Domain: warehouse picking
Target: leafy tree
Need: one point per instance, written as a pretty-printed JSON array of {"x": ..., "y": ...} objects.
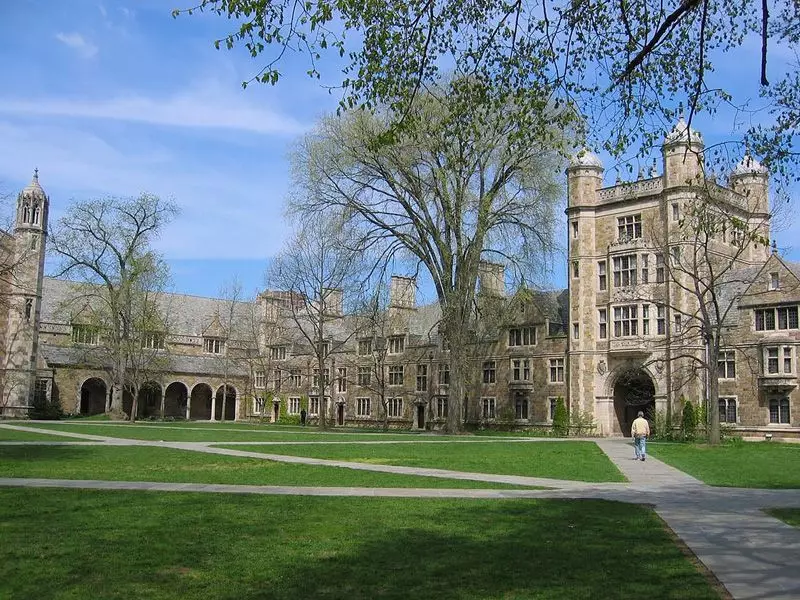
[
  {"x": 456, "y": 186},
  {"x": 621, "y": 67},
  {"x": 106, "y": 245}
]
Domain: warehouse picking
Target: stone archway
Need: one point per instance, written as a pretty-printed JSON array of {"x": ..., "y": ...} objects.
[
  {"x": 175, "y": 397},
  {"x": 93, "y": 396},
  {"x": 230, "y": 404},
  {"x": 634, "y": 390},
  {"x": 200, "y": 407}
]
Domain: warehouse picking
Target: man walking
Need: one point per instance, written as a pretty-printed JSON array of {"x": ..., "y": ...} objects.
[{"x": 640, "y": 430}]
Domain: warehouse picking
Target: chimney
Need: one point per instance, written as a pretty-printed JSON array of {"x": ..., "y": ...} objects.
[
  {"x": 402, "y": 292},
  {"x": 332, "y": 302},
  {"x": 492, "y": 278}
]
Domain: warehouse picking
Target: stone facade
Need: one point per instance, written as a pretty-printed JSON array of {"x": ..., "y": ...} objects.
[{"x": 617, "y": 340}]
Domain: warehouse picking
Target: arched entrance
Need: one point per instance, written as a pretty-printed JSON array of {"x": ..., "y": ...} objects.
[
  {"x": 230, "y": 404},
  {"x": 340, "y": 414},
  {"x": 200, "y": 408},
  {"x": 149, "y": 404},
  {"x": 175, "y": 397},
  {"x": 420, "y": 416},
  {"x": 633, "y": 391},
  {"x": 93, "y": 396}
]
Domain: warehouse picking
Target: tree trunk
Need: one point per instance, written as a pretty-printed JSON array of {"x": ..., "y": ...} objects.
[
  {"x": 712, "y": 410},
  {"x": 134, "y": 404}
]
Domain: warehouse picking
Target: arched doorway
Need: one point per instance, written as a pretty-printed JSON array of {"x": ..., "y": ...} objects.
[
  {"x": 175, "y": 397},
  {"x": 230, "y": 404},
  {"x": 149, "y": 404},
  {"x": 93, "y": 396},
  {"x": 200, "y": 408},
  {"x": 633, "y": 391}
]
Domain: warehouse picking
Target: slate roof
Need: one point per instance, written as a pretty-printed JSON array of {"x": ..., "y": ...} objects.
[
  {"x": 187, "y": 315},
  {"x": 192, "y": 365}
]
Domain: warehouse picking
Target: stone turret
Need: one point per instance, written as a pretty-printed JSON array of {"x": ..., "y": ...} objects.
[
  {"x": 751, "y": 179},
  {"x": 683, "y": 156},
  {"x": 584, "y": 178},
  {"x": 20, "y": 346}
]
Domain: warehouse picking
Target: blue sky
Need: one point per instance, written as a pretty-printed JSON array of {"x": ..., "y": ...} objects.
[{"x": 117, "y": 97}]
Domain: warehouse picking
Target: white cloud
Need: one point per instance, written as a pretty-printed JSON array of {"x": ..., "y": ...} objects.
[
  {"x": 229, "y": 213},
  {"x": 77, "y": 42},
  {"x": 206, "y": 106}
]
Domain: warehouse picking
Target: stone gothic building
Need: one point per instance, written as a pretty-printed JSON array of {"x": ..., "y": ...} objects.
[{"x": 629, "y": 333}]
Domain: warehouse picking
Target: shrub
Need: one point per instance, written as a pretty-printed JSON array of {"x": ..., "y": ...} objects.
[
  {"x": 561, "y": 419},
  {"x": 44, "y": 409},
  {"x": 582, "y": 422}
]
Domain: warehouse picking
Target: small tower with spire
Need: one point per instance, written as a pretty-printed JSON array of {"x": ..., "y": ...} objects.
[
  {"x": 24, "y": 299},
  {"x": 683, "y": 156}
]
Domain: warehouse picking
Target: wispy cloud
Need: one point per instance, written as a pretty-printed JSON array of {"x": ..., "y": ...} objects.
[
  {"x": 208, "y": 106},
  {"x": 78, "y": 43},
  {"x": 215, "y": 199}
]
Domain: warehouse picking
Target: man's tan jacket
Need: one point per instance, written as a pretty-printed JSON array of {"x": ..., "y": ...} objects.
[{"x": 640, "y": 427}]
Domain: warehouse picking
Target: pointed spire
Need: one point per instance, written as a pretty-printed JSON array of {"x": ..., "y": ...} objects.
[{"x": 36, "y": 174}]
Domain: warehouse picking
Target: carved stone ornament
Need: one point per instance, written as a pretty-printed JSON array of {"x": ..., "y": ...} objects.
[
  {"x": 601, "y": 367},
  {"x": 660, "y": 367}
]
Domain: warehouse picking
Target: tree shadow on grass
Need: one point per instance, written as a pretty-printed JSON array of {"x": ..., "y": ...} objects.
[
  {"x": 567, "y": 549},
  {"x": 43, "y": 453},
  {"x": 104, "y": 544}
]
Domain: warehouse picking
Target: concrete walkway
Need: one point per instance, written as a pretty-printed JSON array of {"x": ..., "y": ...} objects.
[{"x": 753, "y": 555}]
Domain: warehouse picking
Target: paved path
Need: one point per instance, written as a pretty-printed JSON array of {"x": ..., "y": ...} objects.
[{"x": 753, "y": 555}]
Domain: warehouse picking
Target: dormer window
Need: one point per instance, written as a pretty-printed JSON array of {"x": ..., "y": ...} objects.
[
  {"x": 277, "y": 353},
  {"x": 629, "y": 228},
  {"x": 774, "y": 283},
  {"x": 397, "y": 344},
  {"x": 213, "y": 345},
  {"x": 522, "y": 336},
  {"x": 153, "y": 340},
  {"x": 364, "y": 347},
  {"x": 85, "y": 334}
]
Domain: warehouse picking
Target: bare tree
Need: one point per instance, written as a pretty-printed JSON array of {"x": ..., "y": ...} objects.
[
  {"x": 706, "y": 260},
  {"x": 145, "y": 347},
  {"x": 457, "y": 185},
  {"x": 319, "y": 273},
  {"x": 106, "y": 243}
]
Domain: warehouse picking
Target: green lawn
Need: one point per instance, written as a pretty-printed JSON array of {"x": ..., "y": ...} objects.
[
  {"x": 751, "y": 464},
  {"x": 131, "y": 463},
  {"x": 210, "y": 432},
  {"x": 582, "y": 461},
  {"x": 74, "y": 544},
  {"x": 788, "y": 515}
]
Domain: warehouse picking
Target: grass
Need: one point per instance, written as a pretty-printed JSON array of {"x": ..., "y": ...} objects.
[
  {"x": 581, "y": 461},
  {"x": 744, "y": 464},
  {"x": 131, "y": 463},
  {"x": 787, "y": 515},
  {"x": 65, "y": 544}
]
